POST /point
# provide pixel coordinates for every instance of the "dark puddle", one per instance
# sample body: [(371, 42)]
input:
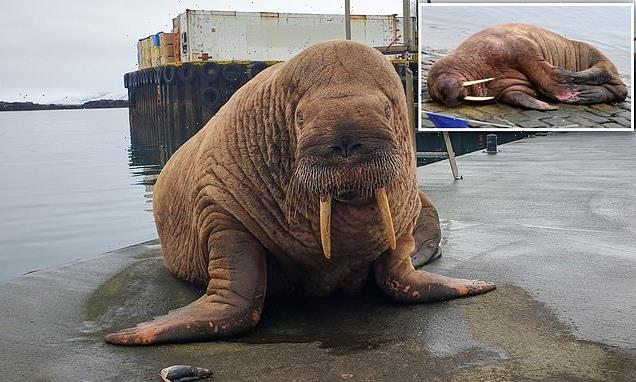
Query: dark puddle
[(342, 324)]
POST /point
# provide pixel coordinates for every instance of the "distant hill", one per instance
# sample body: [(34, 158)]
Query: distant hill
[(95, 104), (78, 99)]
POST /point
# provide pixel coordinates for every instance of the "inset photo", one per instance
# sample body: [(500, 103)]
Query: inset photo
[(539, 67)]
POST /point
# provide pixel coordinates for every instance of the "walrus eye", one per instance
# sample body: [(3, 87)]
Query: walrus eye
[(299, 117), (388, 111)]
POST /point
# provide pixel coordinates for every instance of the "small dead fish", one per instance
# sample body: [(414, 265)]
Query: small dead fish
[(184, 373)]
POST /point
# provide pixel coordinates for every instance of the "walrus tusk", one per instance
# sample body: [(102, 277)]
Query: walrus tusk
[(475, 82), (473, 98), (385, 212), (325, 225)]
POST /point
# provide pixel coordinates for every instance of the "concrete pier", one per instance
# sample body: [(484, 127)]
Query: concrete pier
[(549, 219)]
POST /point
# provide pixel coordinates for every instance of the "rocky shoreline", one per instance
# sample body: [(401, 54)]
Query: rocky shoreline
[(96, 104)]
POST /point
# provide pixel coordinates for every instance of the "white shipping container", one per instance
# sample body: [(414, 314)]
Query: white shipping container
[(262, 36)]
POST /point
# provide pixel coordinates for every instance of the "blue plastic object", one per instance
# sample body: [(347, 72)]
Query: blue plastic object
[(156, 40), (447, 121)]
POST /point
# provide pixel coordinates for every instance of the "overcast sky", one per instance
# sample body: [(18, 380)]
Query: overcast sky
[(72, 49)]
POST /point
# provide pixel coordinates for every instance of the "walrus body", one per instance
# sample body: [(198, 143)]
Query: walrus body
[(299, 169), (519, 63)]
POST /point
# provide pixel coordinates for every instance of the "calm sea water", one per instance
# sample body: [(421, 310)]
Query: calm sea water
[(69, 188), (607, 28)]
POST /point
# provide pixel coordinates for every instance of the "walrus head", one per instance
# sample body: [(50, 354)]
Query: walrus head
[(453, 89), (349, 127), (346, 151), (346, 148)]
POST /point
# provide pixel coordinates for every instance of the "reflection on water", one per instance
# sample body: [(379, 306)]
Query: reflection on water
[(75, 184), (606, 27), (151, 146), (71, 187)]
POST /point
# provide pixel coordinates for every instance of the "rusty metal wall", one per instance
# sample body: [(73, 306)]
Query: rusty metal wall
[(272, 36)]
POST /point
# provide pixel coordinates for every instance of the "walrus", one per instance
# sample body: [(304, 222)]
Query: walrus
[(308, 167), (519, 63)]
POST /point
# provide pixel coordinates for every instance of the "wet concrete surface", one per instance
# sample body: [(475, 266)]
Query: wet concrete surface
[(549, 219)]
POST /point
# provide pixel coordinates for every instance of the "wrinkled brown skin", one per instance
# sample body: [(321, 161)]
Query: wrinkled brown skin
[(527, 63), (220, 202)]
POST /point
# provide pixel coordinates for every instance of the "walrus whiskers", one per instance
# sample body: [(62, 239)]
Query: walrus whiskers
[(474, 98), (385, 212), (475, 82), (325, 225), (312, 178)]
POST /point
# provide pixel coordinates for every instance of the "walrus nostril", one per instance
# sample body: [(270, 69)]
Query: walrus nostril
[(355, 147), (345, 148)]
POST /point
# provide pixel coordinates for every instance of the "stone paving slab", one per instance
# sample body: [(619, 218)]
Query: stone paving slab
[(600, 116)]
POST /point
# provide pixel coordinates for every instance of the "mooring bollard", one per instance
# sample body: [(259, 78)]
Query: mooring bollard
[(491, 143)]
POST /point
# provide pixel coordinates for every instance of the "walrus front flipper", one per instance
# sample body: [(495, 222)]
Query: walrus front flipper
[(232, 304), (553, 82), (596, 75), (594, 68), (396, 276), (427, 234), (522, 99)]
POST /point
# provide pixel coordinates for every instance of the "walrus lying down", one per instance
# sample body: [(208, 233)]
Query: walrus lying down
[(308, 169), (518, 63)]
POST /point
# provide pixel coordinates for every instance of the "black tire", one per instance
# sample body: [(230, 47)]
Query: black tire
[(133, 79), (186, 73), (151, 76), (211, 97), (210, 71), (158, 75), (169, 73), (232, 73), (256, 68)]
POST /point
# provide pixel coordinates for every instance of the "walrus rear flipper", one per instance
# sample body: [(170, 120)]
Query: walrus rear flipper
[(232, 304), (597, 84), (522, 99), (396, 276), (592, 94)]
